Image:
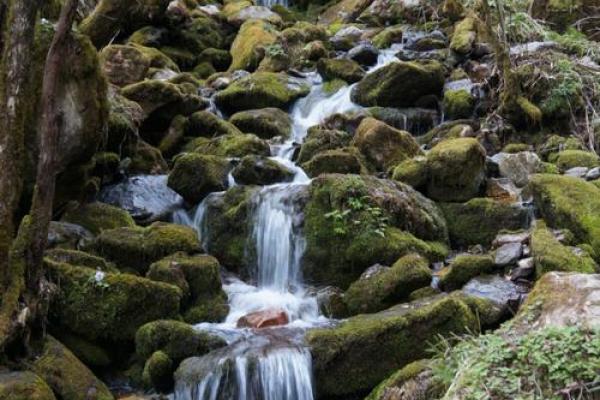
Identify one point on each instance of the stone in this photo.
(342, 12)
(264, 319)
(458, 104)
(97, 217)
(577, 172)
(593, 174)
(24, 385)
(525, 269)
(266, 123)
(340, 68)
(462, 269)
(568, 159)
(194, 176)
(518, 166)
(254, 13)
(247, 50)
(66, 235)
(364, 54)
(497, 289)
(502, 189)
(508, 254)
(506, 238)
(255, 170)
(464, 36)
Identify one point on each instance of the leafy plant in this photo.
(358, 213)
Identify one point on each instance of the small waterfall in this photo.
(271, 3)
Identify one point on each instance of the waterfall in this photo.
(271, 3)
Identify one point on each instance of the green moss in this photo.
(65, 374)
(147, 159)
(97, 217)
(409, 378)
(207, 124)
(158, 372)
(112, 308)
(555, 144)
(266, 123)
(571, 203)
(24, 386)
(235, 146)
(568, 159)
(252, 37)
(423, 293)
(339, 68)
(218, 58)
(332, 86)
(463, 38)
(195, 175)
(353, 357)
(413, 172)
(458, 104)
(138, 247)
(456, 169)
(255, 170)
(339, 161)
(513, 148)
(479, 220)
(388, 287)
(388, 36)
(318, 140)
(80, 258)
(89, 353)
(551, 255)
(462, 269)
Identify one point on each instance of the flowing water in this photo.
(271, 363)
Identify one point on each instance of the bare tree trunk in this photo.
(28, 249)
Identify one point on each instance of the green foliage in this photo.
(568, 87)
(372, 218)
(575, 42)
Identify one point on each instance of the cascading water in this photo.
(269, 364)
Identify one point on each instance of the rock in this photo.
(415, 380)
(147, 160)
(463, 38)
(388, 36)
(255, 170)
(260, 90)
(458, 104)
(508, 254)
(346, 160)
(364, 54)
(247, 49)
(381, 290)
(220, 59)
(127, 64)
(568, 159)
(318, 140)
(399, 84)
(146, 198)
(340, 68)
(383, 13)
(462, 269)
(415, 120)
(593, 174)
(232, 146)
(479, 220)
(195, 175)
(503, 190)
(97, 217)
(413, 172)
(382, 145)
(24, 385)
(254, 13)
(66, 375)
(263, 319)
(357, 354)
(124, 119)
(80, 258)
(338, 252)
(138, 247)
(66, 235)
(331, 303)
(344, 11)
(525, 269)
(550, 255)
(158, 372)
(266, 123)
(571, 203)
(577, 172)
(518, 166)
(91, 354)
(456, 170)
(506, 238)
(497, 289)
(207, 124)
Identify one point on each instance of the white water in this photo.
(283, 369)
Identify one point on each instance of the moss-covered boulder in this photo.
(97, 217)
(463, 38)
(81, 258)
(24, 385)
(388, 36)
(479, 220)
(392, 220)
(138, 247)
(167, 97)
(260, 90)
(343, 11)
(127, 64)
(456, 170)
(109, 307)
(413, 172)
(382, 145)
(462, 269)
(248, 48)
(158, 372)
(207, 124)
(91, 354)
(347, 160)
(551, 255)
(353, 357)
(318, 140)
(255, 170)
(571, 203)
(568, 159)
(68, 377)
(387, 286)
(266, 123)
(458, 104)
(147, 160)
(400, 84)
(124, 119)
(233, 146)
(196, 175)
(340, 68)
(416, 380)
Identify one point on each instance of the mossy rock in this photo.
(413, 172)
(342, 12)
(255, 170)
(207, 124)
(479, 220)
(415, 379)
(550, 255)
(352, 358)
(24, 385)
(247, 49)
(97, 217)
(175, 138)
(80, 258)
(400, 84)
(260, 90)
(147, 160)
(91, 354)
(234, 146)
(138, 247)
(266, 123)
(338, 252)
(111, 308)
(340, 68)
(68, 377)
(458, 104)
(124, 119)
(318, 140)
(153, 94)
(158, 372)
(389, 286)
(388, 36)
(568, 159)
(194, 176)
(462, 269)
(220, 59)
(555, 144)
(571, 203)
(456, 170)
(382, 145)
(127, 64)
(463, 38)
(347, 160)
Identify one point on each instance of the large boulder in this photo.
(97, 217)
(340, 68)
(456, 170)
(351, 358)
(232, 145)
(347, 160)
(462, 269)
(255, 170)
(518, 166)
(343, 11)
(196, 175)
(207, 124)
(400, 84)
(352, 222)
(571, 203)
(105, 306)
(318, 140)
(248, 48)
(382, 145)
(127, 64)
(260, 90)
(24, 385)
(265, 123)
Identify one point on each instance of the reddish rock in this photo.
(263, 319)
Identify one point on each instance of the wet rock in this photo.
(319, 140)
(388, 36)
(508, 254)
(158, 372)
(265, 123)
(458, 104)
(67, 235)
(502, 189)
(593, 174)
(506, 238)
(577, 172)
(127, 64)
(518, 166)
(416, 381)
(344, 11)
(166, 97)
(264, 319)
(207, 124)
(344, 69)
(254, 170)
(346, 160)
(415, 120)
(364, 54)
(462, 269)
(97, 217)
(413, 172)
(195, 175)
(383, 13)
(499, 290)
(525, 269)
(24, 385)
(230, 145)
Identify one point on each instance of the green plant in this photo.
(358, 212)
(274, 50)
(566, 90)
